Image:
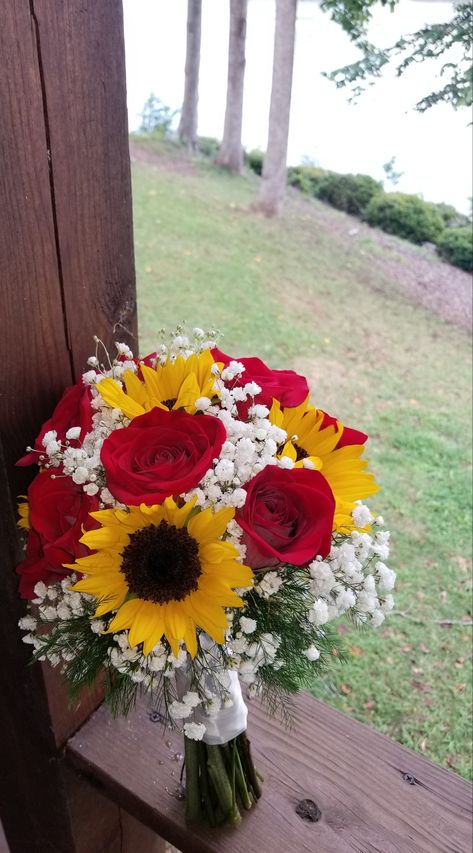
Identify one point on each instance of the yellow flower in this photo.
(343, 468)
(165, 571)
(24, 513)
(174, 385)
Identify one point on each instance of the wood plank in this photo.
(375, 796)
(32, 794)
(34, 347)
(33, 339)
(100, 826)
(83, 61)
(55, 262)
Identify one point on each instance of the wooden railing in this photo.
(332, 785)
(72, 782)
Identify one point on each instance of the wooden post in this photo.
(67, 272)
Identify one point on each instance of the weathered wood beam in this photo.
(374, 795)
(66, 267)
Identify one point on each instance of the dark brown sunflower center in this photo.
(301, 453)
(169, 403)
(161, 563)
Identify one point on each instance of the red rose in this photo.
(288, 387)
(287, 517)
(73, 410)
(160, 454)
(349, 436)
(59, 509)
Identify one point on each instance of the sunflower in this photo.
(165, 571)
(24, 513)
(343, 467)
(173, 385)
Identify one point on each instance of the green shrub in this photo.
(451, 217)
(255, 160)
(351, 193)
(456, 246)
(208, 145)
(406, 216)
(306, 178)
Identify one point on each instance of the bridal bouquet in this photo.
(196, 525)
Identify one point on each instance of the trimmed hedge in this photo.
(406, 216)
(456, 246)
(306, 178)
(208, 146)
(351, 193)
(451, 217)
(255, 160)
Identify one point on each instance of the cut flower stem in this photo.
(220, 781)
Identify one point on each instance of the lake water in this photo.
(433, 149)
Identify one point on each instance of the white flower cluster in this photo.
(54, 604)
(249, 654)
(352, 578)
(251, 443)
(179, 343)
(83, 463)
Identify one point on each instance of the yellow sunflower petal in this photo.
(208, 525)
(24, 513)
(236, 574)
(115, 397)
(154, 391)
(289, 450)
(156, 631)
(177, 619)
(215, 552)
(143, 623)
(190, 639)
(104, 606)
(125, 616)
(134, 388)
(105, 537)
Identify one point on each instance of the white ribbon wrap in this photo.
(228, 722)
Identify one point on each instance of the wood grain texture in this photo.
(33, 341)
(83, 67)
(32, 793)
(66, 253)
(65, 245)
(354, 775)
(100, 826)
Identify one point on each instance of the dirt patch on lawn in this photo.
(172, 158)
(416, 271)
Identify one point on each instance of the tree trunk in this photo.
(231, 151)
(188, 123)
(273, 184)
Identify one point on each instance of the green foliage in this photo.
(406, 216)
(208, 145)
(377, 360)
(353, 15)
(392, 175)
(255, 160)
(351, 193)
(156, 116)
(284, 615)
(306, 178)
(451, 217)
(456, 246)
(430, 42)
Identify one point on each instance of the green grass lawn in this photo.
(298, 294)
